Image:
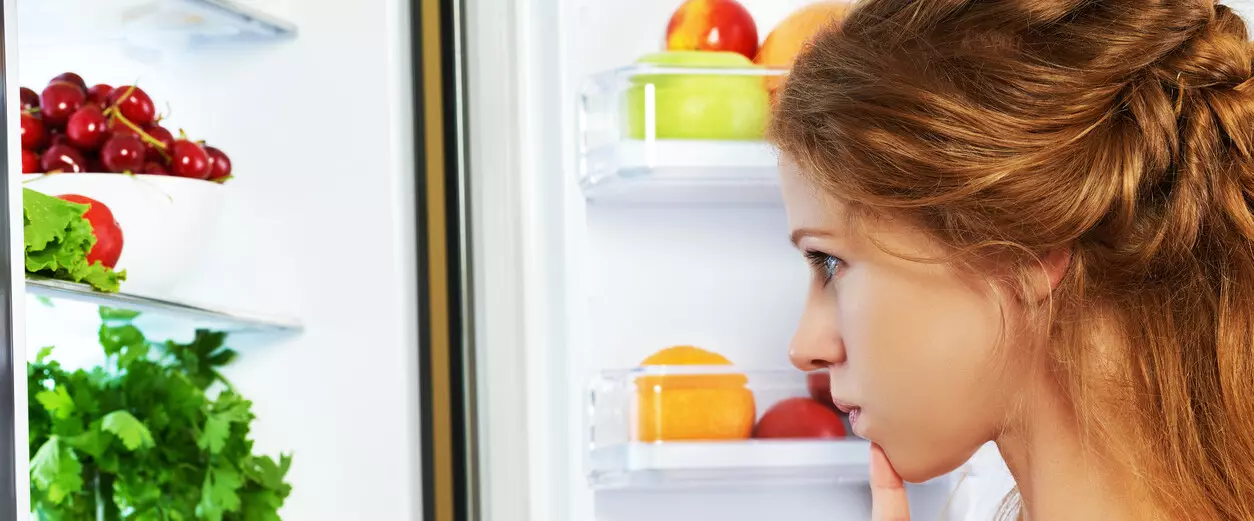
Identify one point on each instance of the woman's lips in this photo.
(853, 411)
(844, 407)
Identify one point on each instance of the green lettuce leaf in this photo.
(57, 240)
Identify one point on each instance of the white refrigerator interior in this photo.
(586, 283)
(317, 225)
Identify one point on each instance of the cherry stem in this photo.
(143, 136)
(124, 95)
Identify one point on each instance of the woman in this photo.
(1030, 222)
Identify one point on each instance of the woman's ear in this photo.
(1054, 265)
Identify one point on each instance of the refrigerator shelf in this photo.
(683, 171)
(657, 132)
(653, 465)
(185, 313)
(165, 23)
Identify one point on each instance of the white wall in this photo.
(319, 226)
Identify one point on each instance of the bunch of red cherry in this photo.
(70, 128)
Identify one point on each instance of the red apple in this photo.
(108, 234)
(712, 25)
(820, 385)
(799, 418)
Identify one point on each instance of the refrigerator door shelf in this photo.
(170, 23)
(682, 172)
(67, 302)
(678, 134)
(752, 462)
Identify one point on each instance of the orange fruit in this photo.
(791, 36)
(693, 406)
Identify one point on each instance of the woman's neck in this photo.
(1059, 478)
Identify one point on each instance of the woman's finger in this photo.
(888, 492)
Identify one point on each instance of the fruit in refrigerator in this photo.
(698, 405)
(29, 98)
(62, 158)
(59, 101)
(70, 77)
(716, 106)
(787, 39)
(122, 153)
(134, 104)
(70, 127)
(87, 128)
(33, 133)
(799, 418)
(30, 162)
(160, 135)
(219, 164)
(108, 247)
(99, 95)
(712, 25)
(187, 159)
(154, 168)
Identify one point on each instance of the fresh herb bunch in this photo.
(140, 439)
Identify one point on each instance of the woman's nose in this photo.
(817, 343)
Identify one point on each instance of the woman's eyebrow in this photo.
(799, 233)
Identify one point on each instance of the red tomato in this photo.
(799, 418)
(108, 246)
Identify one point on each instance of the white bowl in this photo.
(164, 219)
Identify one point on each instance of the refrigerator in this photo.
(307, 257)
(454, 234)
(620, 206)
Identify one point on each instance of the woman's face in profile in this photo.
(914, 347)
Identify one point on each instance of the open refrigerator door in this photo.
(217, 217)
(636, 291)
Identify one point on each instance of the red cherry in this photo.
(56, 137)
(63, 159)
(30, 162)
(59, 101)
(187, 159)
(99, 94)
(134, 104)
(108, 247)
(87, 128)
(159, 133)
(219, 164)
(122, 154)
(30, 98)
(70, 77)
(154, 168)
(33, 133)
(117, 128)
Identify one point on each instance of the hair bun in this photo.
(1218, 55)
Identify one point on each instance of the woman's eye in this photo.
(824, 265)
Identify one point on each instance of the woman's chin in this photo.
(927, 466)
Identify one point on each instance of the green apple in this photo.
(728, 106)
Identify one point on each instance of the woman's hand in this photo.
(888, 492)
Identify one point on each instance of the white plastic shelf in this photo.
(656, 132)
(683, 171)
(146, 22)
(664, 465)
(71, 299)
